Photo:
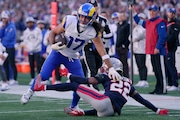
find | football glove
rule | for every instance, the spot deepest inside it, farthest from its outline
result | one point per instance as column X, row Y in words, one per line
column 113, row 74
column 58, row 46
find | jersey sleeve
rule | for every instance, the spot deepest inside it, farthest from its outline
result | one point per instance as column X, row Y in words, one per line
column 64, row 22
column 67, row 21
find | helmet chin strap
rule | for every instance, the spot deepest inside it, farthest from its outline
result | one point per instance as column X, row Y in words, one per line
column 82, row 27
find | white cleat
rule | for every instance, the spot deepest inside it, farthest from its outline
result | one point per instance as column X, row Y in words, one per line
column 5, row 87
column 13, row 82
column 173, row 88
column 142, row 84
column 26, row 97
column 138, row 84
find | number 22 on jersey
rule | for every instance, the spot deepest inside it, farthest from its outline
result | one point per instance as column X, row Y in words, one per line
column 122, row 87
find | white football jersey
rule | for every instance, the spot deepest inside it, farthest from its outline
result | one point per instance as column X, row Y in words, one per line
column 75, row 40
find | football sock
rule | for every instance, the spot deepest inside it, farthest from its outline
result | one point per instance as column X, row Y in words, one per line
column 75, row 100
column 63, row 87
column 90, row 112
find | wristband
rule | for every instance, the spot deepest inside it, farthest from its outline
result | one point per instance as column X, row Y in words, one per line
column 105, row 57
column 68, row 75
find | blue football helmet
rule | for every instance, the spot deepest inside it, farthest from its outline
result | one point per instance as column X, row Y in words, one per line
column 87, row 10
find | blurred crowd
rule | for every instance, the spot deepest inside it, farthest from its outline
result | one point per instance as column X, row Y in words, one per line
column 41, row 9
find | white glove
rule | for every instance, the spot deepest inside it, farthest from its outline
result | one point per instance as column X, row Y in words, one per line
column 113, row 74
column 58, row 46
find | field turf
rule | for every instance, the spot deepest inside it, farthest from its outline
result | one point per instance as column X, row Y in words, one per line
column 43, row 108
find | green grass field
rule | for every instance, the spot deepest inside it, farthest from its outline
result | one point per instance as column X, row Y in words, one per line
column 43, row 108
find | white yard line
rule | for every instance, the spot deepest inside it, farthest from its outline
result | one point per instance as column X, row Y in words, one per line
column 30, row 111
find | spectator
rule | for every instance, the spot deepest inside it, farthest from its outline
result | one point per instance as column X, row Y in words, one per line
column 113, row 26
column 155, row 46
column 41, row 25
column 122, row 42
column 32, row 39
column 172, row 43
column 139, row 39
column 3, row 56
column 8, row 39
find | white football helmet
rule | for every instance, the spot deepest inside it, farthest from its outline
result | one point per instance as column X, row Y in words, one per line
column 116, row 63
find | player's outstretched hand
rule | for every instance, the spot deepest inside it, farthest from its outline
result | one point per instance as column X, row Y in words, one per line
column 113, row 74
column 58, row 46
column 63, row 71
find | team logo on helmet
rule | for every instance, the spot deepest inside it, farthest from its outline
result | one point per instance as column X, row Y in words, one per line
column 87, row 9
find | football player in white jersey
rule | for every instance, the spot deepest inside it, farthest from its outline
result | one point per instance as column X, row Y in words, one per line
column 78, row 31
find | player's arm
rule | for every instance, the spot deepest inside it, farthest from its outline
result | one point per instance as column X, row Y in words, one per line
column 57, row 30
column 136, row 18
column 101, row 50
column 105, row 57
column 83, row 80
column 99, row 78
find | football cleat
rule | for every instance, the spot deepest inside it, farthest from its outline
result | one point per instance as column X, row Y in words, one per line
column 73, row 112
column 26, row 97
column 67, row 110
column 77, row 113
column 163, row 112
column 38, row 86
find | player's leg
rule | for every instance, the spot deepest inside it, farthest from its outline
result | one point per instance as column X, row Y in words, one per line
column 49, row 65
column 75, row 68
column 63, row 87
column 98, row 100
